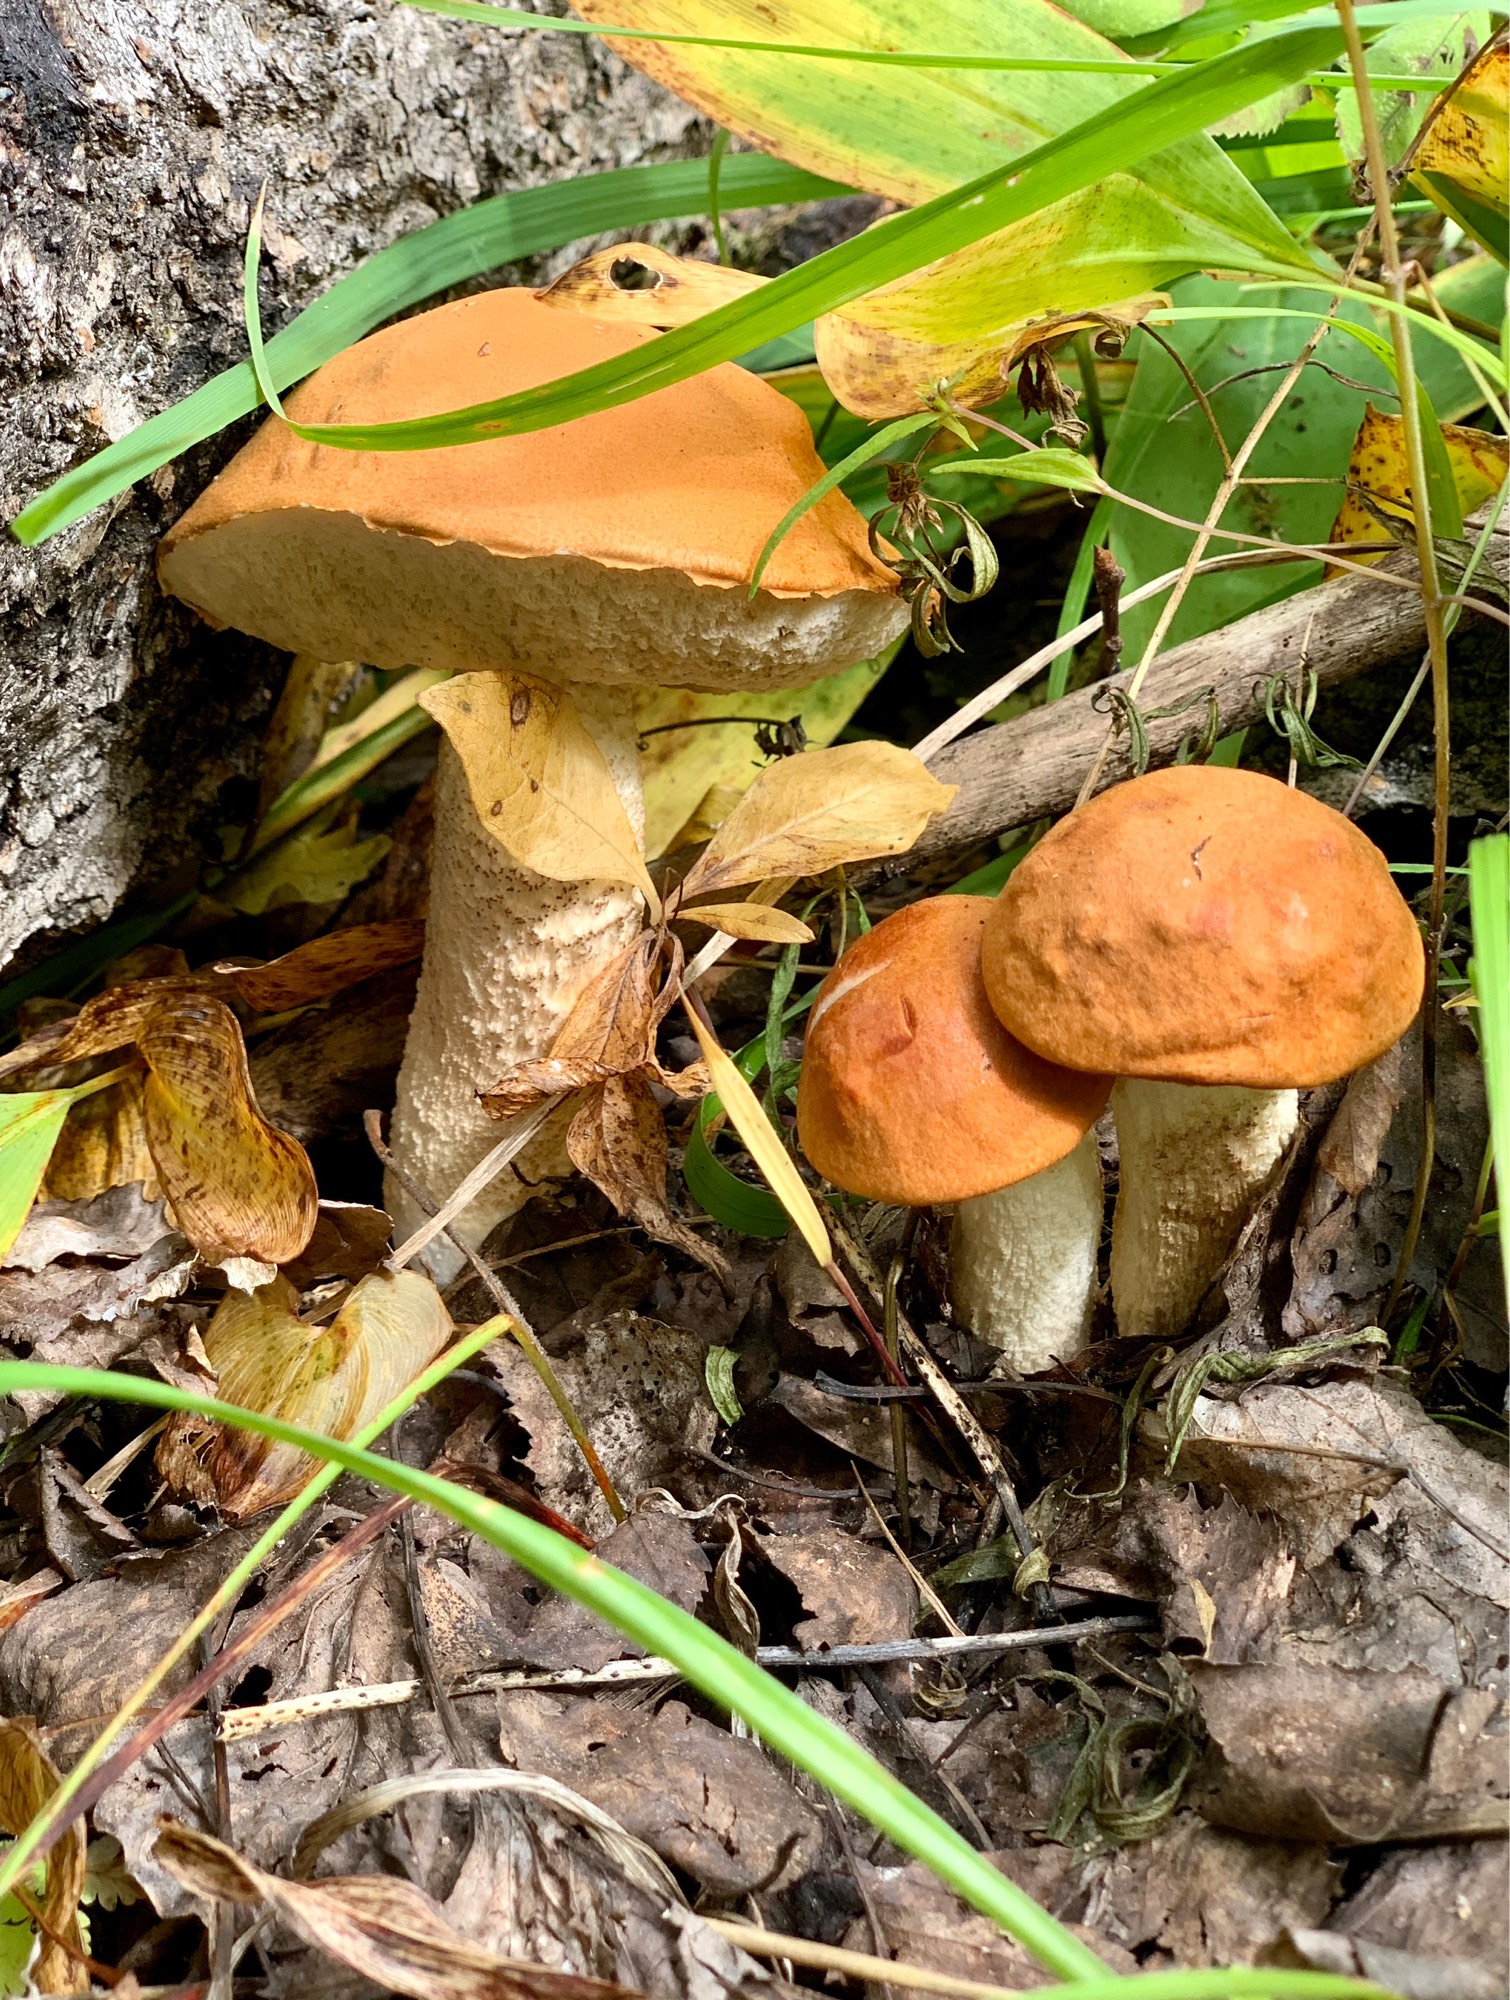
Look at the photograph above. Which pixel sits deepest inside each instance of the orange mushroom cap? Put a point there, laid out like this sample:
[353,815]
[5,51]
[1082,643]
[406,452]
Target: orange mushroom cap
[617,548]
[911,1090]
[1209,926]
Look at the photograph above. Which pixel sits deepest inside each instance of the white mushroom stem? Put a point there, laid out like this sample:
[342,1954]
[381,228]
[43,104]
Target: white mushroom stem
[1023,1261]
[1195,1160]
[507,952]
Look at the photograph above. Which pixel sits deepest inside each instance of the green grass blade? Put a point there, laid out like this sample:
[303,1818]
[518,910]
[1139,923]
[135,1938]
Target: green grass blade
[1489,970]
[869,448]
[501,230]
[710,1663]
[1115,139]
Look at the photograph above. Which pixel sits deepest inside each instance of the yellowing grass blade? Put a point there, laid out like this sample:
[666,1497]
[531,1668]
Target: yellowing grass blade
[761,1142]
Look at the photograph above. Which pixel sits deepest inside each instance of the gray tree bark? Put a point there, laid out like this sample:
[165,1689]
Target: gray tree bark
[134,135]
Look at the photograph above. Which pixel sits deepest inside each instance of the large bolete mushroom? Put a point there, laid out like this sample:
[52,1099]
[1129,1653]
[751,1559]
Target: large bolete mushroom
[913,1093]
[1215,940]
[608,554]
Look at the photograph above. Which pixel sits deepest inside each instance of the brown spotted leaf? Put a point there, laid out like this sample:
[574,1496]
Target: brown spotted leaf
[806,814]
[28,1779]
[325,965]
[540,784]
[1378,476]
[610,285]
[618,1139]
[103,1144]
[238,1186]
[330,1379]
[380,1926]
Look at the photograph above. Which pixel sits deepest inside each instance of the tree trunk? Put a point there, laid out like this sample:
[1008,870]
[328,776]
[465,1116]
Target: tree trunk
[136,134]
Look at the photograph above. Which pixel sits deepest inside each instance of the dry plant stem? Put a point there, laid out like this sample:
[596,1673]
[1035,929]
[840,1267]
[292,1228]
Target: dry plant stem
[1393,278]
[59,1810]
[856,1965]
[898,1413]
[489,1167]
[964,1419]
[539,1360]
[239,1723]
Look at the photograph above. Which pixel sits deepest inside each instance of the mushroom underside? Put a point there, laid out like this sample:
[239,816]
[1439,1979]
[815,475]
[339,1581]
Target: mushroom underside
[1195,1158]
[341,587]
[1023,1261]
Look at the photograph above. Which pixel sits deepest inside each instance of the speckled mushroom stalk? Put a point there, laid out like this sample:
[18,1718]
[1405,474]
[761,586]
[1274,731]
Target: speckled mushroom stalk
[912,1093]
[610,554]
[1218,942]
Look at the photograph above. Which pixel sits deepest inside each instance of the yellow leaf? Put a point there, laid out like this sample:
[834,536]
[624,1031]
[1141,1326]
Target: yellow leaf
[1377,469]
[886,355]
[756,921]
[330,1379]
[806,814]
[314,864]
[762,1143]
[1467,141]
[238,1187]
[681,767]
[28,1779]
[103,1145]
[540,784]
[684,287]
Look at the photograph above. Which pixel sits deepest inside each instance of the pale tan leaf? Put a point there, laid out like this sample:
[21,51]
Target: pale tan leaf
[618,1139]
[604,286]
[330,1379]
[540,784]
[28,1779]
[762,1143]
[237,1186]
[757,921]
[380,1926]
[887,355]
[805,814]
[103,1144]
[325,965]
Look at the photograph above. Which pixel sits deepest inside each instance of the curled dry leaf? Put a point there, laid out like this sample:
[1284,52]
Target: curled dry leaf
[607,285]
[887,354]
[618,1139]
[325,965]
[330,1379]
[756,921]
[1467,143]
[820,810]
[28,1779]
[609,1032]
[381,1927]
[238,1186]
[540,784]
[1377,471]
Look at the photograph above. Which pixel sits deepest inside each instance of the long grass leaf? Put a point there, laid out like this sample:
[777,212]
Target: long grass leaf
[869,448]
[500,230]
[710,1663]
[1111,141]
[1489,904]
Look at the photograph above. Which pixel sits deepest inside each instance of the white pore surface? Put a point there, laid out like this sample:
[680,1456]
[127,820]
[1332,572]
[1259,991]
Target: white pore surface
[507,952]
[1195,1159]
[331,585]
[1023,1261]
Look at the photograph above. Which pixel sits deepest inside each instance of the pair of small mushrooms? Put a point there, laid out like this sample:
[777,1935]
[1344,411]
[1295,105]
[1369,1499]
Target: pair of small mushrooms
[611,554]
[1194,946]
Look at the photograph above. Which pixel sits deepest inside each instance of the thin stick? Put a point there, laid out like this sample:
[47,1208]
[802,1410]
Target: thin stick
[1392,277]
[489,1167]
[242,1722]
[858,1965]
[539,1360]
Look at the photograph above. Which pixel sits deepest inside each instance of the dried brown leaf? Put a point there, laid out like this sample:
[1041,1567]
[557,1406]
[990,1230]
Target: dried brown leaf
[103,1144]
[115,1018]
[330,1379]
[684,287]
[756,921]
[618,1139]
[238,1186]
[382,1927]
[825,808]
[28,1779]
[325,965]
[540,784]
[609,1032]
